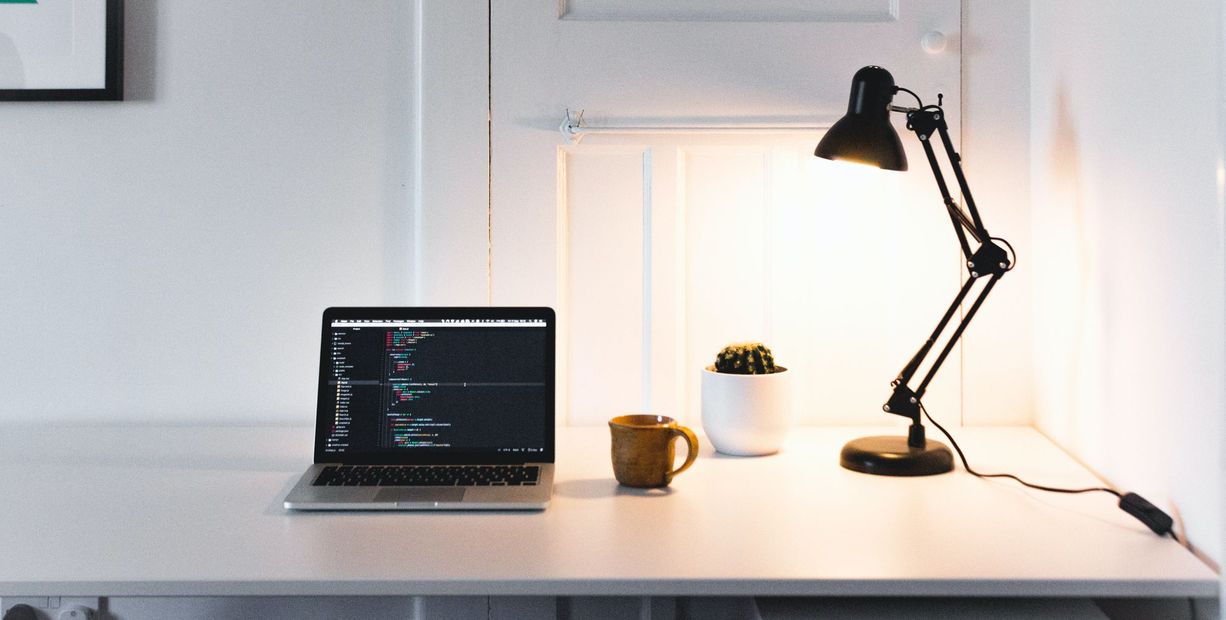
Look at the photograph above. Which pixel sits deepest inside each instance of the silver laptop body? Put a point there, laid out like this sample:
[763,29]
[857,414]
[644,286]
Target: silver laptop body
[433,409]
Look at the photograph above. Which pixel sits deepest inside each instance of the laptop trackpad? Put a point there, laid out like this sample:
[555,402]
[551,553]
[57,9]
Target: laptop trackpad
[402,494]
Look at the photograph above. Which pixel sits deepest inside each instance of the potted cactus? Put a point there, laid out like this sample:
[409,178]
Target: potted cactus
[746,400]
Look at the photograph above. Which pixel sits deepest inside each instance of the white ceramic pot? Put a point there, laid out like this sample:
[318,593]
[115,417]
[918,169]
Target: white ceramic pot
[746,415]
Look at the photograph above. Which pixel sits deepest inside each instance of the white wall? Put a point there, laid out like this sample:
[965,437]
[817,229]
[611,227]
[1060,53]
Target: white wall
[261,171]
[167,258]
[997,372]
[1128,258]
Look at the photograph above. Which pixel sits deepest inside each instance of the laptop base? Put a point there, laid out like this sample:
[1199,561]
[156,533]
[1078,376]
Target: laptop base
[306,496]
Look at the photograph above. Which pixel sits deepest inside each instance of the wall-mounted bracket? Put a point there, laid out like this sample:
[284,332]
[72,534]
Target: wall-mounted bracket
[571,124]
[574,128]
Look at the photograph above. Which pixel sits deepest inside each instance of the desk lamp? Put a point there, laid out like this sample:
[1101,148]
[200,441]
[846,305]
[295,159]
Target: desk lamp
[866,136]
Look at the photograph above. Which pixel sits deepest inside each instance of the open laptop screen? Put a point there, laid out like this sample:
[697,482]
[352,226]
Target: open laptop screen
[436,385]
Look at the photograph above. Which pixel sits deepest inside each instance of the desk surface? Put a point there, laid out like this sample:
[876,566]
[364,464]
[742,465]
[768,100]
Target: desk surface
[197,511]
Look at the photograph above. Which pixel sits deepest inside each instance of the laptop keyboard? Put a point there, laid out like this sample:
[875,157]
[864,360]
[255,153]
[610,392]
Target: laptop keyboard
[428,475]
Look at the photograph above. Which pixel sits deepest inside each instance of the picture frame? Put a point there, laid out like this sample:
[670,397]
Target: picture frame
[33,69]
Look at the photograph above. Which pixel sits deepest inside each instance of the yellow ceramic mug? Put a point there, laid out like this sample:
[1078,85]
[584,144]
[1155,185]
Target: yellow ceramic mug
[643,449]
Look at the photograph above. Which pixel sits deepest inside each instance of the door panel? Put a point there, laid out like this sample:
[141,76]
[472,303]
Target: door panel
[658,249]
[668,250]
[602,262]
[451,224]
[731,10]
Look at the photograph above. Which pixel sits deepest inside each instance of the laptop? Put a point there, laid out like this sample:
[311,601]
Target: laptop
[433,409]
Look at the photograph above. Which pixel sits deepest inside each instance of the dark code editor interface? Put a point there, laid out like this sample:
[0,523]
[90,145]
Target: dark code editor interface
[447,385]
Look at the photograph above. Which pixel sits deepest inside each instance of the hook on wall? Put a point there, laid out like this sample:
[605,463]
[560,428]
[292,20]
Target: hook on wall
[571,125]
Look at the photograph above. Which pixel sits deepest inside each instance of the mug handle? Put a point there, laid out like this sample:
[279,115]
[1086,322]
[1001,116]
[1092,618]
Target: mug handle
[691,441]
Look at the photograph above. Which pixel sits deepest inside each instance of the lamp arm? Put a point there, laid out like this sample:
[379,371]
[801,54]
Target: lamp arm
[953,339]
[928,122]
[988,259]
[962,224]
[981,233]
[908,371]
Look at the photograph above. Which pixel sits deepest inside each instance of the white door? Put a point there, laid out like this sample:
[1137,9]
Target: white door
[658,248]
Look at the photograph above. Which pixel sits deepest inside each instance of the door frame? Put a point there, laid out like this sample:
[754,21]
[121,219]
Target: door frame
[451,200]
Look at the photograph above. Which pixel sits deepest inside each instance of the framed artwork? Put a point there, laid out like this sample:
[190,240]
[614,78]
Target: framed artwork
[61,50]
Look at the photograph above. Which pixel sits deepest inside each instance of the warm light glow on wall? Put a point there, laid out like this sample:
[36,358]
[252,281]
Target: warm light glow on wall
[841,268]
[837,242]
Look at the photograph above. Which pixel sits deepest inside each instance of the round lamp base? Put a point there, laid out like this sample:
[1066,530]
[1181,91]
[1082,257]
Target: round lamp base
[887,455]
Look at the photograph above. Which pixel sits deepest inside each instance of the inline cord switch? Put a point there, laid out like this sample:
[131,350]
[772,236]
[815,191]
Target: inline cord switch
[1152,516]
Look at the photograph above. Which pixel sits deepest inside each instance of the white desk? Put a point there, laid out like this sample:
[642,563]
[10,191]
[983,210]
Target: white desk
[197,512]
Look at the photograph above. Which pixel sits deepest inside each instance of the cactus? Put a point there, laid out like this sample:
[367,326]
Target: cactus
[746,358]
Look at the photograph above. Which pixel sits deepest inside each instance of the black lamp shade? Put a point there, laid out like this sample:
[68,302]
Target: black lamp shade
[865,135]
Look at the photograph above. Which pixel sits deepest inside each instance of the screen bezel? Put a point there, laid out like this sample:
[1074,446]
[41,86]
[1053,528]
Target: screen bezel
[324,413]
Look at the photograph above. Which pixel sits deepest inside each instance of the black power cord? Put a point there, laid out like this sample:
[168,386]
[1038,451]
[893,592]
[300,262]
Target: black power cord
[1131,503]
[1013,258]
[1153,517]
